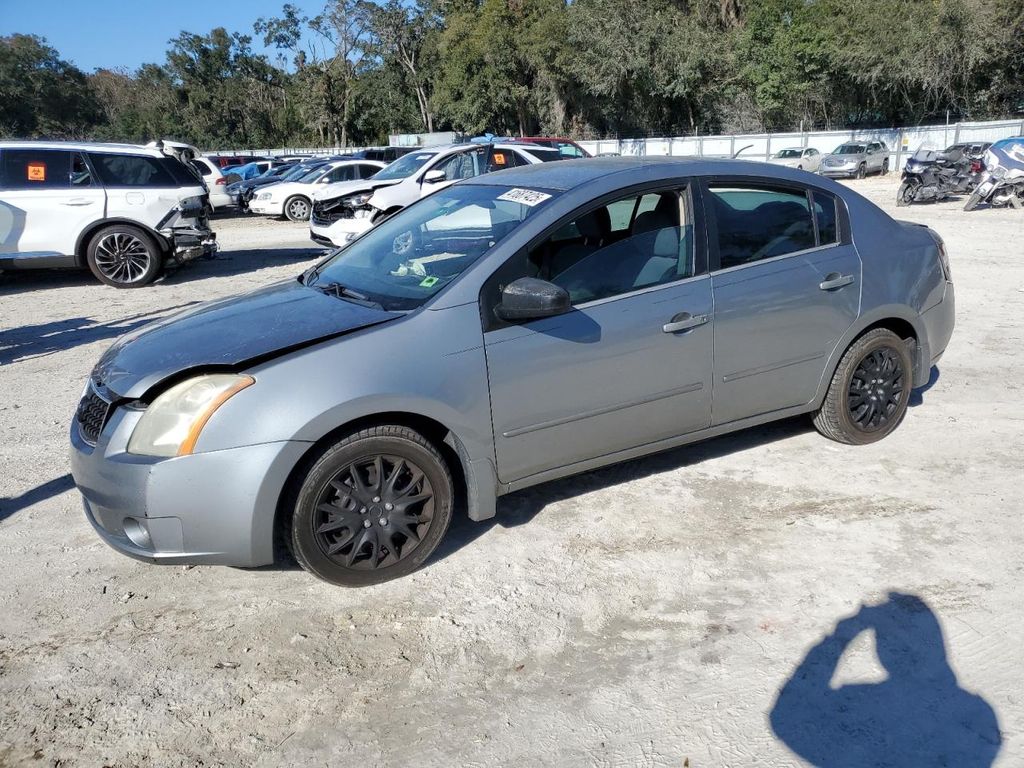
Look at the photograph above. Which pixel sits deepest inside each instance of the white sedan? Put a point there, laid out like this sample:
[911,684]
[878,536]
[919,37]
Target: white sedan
[803,158]
[294,198]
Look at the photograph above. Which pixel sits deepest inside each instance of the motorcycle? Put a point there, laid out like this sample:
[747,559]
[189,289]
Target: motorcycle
[930,175]
[1003,183]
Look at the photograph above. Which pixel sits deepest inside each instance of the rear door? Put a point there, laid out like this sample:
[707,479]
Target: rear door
[47,197]
[139,187]
[786,285]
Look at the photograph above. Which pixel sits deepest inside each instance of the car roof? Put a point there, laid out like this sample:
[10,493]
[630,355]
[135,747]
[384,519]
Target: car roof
[569,174]
[83,146]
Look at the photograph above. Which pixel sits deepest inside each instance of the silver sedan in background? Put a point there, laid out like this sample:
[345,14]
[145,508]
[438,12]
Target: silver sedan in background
[511,329]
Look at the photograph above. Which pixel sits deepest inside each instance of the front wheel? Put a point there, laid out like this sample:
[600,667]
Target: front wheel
[297,208]
[869,392]
[973,200]
[124,256]
[906,193]
[372,508]
[885,167]
[862,171]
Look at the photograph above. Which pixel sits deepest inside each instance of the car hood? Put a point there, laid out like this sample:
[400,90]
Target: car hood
[229,334]
[402,194]
[342,188]
[788,162]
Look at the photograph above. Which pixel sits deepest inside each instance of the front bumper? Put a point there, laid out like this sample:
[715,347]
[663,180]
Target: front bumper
[267,207]
[206,508]
[339,233]
[838,173]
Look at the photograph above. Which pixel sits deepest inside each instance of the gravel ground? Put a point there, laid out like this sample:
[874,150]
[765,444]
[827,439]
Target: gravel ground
[647,614]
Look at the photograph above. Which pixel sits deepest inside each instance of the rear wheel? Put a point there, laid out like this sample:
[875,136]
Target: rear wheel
[124,256]
[870,390]
[297,208]
[906,193]
[372,508]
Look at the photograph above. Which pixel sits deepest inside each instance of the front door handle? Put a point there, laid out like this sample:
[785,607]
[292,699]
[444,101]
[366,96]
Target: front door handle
[835,280]
[684,321]
[79,201]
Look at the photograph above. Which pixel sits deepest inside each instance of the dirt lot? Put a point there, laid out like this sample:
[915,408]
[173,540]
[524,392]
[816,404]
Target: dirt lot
[642,615]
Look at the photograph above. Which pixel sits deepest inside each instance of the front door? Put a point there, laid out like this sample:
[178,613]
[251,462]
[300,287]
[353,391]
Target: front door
[629,365]
[786,288]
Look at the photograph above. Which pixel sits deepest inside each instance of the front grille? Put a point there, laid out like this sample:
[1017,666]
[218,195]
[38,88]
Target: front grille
[92,415]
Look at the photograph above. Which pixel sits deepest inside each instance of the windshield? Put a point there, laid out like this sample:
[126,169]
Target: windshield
[849,149]
[297,172]
[404,166]
[789,153]
[408,258]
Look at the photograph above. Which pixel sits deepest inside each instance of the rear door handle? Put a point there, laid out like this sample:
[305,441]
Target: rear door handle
[835,280]
[684,321]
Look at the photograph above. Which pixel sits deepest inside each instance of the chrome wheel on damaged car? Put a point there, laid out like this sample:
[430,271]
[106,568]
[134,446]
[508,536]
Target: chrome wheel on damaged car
[124,257]
[372,508]
[870,390]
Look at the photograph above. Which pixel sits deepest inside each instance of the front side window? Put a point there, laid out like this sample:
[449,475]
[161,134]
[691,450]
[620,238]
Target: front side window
[411,256]
[789,153]
[367,171]
[756,223]
[461,165]
[607,252]
[35,169]
[131,171]
[341,173]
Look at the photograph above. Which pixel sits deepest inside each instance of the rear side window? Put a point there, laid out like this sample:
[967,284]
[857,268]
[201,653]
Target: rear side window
[756,223]
[201,168]
[825,216]
[131,171]
[35,169]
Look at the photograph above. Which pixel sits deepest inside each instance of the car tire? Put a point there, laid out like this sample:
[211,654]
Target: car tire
[870,390]
[297,208]
[862,171]
[345,525]
[124,256]
[885,167]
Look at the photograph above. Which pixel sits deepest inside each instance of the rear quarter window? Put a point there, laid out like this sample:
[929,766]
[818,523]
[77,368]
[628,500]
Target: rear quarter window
[132,171]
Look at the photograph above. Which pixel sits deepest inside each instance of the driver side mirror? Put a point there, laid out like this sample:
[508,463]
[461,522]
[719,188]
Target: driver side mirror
[433,177]
[529,298]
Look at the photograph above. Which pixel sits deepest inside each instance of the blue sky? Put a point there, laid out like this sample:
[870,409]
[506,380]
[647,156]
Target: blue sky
[126,33]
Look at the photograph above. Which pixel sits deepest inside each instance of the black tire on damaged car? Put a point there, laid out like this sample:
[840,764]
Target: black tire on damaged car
[372,507]
[870,390]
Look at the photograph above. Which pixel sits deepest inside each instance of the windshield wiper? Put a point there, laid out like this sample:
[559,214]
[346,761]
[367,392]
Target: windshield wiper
[344,292]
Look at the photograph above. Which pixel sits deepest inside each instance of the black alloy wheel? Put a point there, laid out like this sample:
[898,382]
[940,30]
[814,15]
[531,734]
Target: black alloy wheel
[876,389]
[870,390]
[373,507]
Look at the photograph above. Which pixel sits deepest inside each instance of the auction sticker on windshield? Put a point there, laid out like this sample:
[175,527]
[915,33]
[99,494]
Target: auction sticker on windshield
[530,197]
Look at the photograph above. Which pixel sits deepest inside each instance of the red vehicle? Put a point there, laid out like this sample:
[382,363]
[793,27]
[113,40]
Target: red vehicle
[567,147]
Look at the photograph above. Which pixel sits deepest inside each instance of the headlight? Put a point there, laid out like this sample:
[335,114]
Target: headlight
[914,168]
[172,423]
[356,201]
[265,196]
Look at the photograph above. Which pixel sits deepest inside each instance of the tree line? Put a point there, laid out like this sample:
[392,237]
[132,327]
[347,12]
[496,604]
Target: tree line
[360,70]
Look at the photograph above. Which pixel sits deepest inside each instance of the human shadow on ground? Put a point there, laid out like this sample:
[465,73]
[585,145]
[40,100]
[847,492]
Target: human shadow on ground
[917,716]
[42,339]
[13,504]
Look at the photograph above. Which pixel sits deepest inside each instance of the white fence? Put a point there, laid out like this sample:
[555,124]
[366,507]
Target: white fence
[900,141]
[760,146]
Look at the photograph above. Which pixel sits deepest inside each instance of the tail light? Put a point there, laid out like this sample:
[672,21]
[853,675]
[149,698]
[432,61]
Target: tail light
[221,181]
[975,166]
[943,254]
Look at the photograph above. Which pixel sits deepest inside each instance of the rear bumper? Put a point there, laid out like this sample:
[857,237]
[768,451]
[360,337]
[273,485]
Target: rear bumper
[939,322]
[191,243]
[207,508]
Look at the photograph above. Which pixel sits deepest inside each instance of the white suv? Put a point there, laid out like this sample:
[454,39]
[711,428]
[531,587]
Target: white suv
[121,210]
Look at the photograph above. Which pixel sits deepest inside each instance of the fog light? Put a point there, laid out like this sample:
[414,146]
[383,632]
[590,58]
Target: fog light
[138,533]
